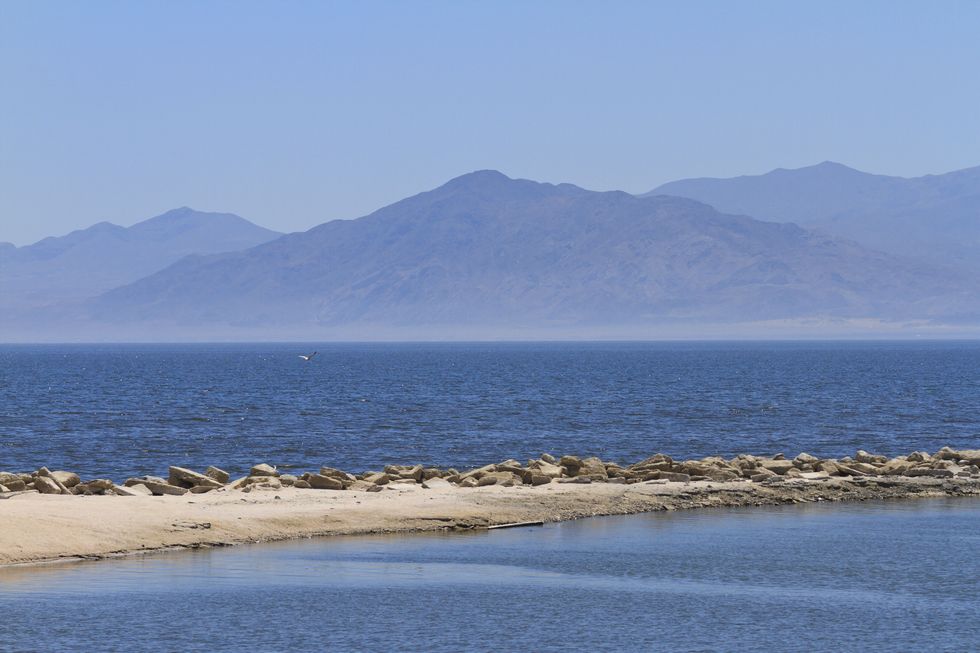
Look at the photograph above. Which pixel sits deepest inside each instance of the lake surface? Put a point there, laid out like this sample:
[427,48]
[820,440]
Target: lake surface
[121,410]
[871,577]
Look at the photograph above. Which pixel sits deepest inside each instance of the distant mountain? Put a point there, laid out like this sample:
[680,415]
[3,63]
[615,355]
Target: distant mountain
[488,250]
[85,263]
[935,217]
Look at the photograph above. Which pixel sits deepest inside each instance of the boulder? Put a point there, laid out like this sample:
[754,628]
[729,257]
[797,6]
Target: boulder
[675,477]
[68,479]
[46,485]
[378,478]
[159,489]
[469,481]
[337,474]
[16,485]
[478,472]
[971,456]
[263,469]
[288,480]
[919,457]
[138,490]
[436,483]
[777,466]
[302,484]
[6,478]
[321,482]
[544,468]
[805,459]
[926,471]
[869,459]
[594,468]
[548,458]
[571,464]
[46,473]
[189,478]
[541,479]
[217,474]
[100,484]
[506,479]
[139,480]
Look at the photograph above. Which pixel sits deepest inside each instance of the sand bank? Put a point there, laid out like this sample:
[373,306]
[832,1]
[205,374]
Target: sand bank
[49,527]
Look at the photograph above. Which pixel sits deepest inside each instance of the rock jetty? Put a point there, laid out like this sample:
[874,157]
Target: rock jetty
[946,463]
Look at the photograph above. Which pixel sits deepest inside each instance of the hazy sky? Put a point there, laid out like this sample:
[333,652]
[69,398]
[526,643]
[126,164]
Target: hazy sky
[294,113]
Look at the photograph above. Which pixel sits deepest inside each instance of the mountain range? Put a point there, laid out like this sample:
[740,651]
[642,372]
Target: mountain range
[88,262]
[935,217]
[485,255]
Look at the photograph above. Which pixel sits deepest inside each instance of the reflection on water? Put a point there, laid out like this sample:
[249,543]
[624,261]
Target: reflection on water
[884,576]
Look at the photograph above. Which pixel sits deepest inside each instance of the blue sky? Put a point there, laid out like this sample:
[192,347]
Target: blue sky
[295,113]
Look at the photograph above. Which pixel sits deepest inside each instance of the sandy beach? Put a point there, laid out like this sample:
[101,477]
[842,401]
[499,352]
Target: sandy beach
[43,527]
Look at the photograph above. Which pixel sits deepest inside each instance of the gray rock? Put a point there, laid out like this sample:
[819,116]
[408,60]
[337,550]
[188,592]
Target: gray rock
[189,478]
[68,479]
[263,469]
[777,466]
[321,482]
[46,485]
[302,484]
[136,490]
[217,474]
[159,489]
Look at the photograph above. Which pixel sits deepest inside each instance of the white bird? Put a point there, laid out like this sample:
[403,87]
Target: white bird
[308,357]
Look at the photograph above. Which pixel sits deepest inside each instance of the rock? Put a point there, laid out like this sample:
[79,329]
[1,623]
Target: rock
[864,457]
[139,480]
[68,479]
[814,476]
[594,468]
[478,472]
[777,466]
[469,481]
[288,480]
[46,473]
[188,478]
[321,482]
[506,479]
[375,488]
[571,464]
[575,479]
[436,483]
[919,457]
[6,478]
[17,485]
[544,468]
[46,485]
[548,458]
[541,479]
[379,478]
[829,466]
[302,484]
[263,469]
[415,473]
[676,477]
[361,486]
[238,484]
[431,472]
[926,471]
[159,489]
[805,459]
[100,484]
[137,490]
[971,456]
[342,476]
[217,474]
[201,489]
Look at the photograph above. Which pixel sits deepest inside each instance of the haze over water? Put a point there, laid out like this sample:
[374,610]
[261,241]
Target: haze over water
[122,410]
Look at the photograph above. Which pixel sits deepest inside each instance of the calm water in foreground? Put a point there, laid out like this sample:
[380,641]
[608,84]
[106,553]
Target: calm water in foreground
[123,410]
[875,577]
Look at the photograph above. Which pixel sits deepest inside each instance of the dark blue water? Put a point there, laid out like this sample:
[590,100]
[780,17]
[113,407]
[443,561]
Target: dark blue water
[122,410]
[873,577]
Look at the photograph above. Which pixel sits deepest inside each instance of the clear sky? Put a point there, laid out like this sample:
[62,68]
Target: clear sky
[294,113]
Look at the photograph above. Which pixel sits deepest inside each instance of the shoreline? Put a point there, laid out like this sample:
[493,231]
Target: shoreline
[46,529]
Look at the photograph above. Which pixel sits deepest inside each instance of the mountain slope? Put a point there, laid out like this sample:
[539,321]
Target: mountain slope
[489,250]
[90,261]
[935,217]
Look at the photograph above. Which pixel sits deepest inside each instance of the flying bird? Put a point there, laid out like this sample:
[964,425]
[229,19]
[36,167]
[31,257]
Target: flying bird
[308,357]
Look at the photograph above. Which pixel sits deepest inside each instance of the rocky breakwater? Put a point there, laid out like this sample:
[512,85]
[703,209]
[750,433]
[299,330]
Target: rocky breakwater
[946,463]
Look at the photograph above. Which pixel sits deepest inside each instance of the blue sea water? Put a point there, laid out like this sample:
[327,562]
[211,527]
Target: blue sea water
[898,576]
[120,410]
